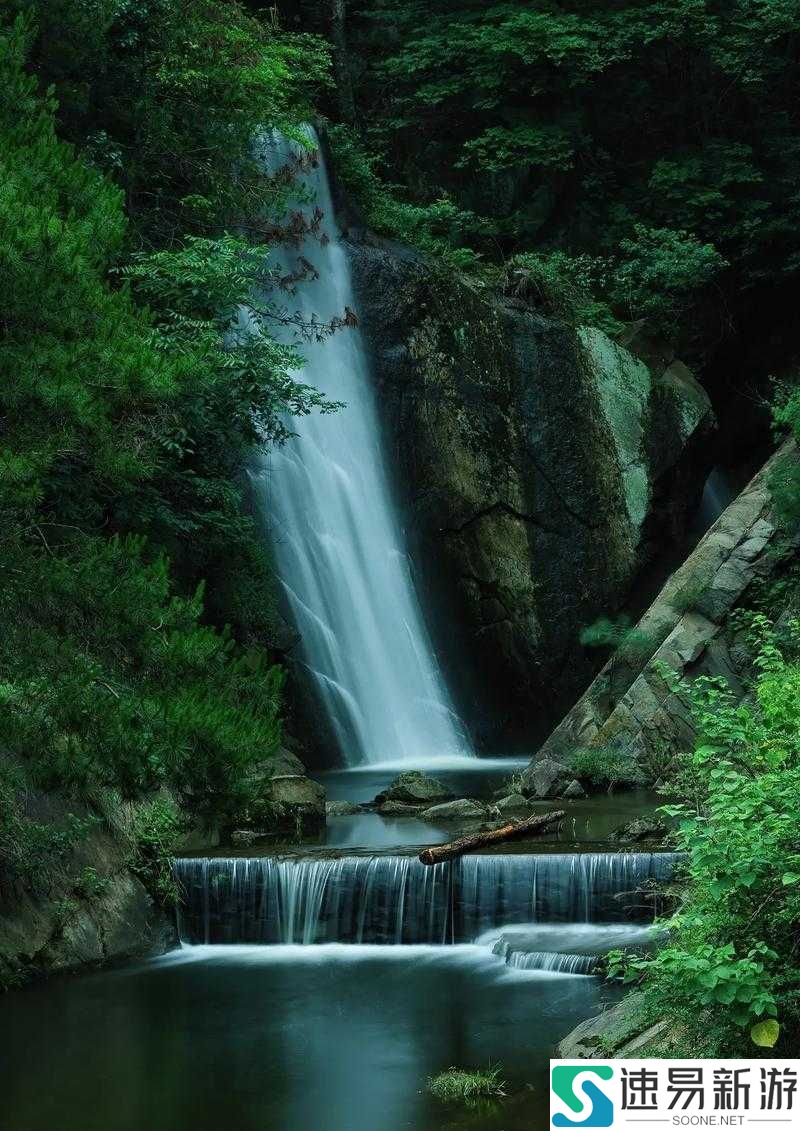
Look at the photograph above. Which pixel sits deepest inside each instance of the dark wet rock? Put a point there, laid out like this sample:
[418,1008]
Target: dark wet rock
[546,778]
[513,803]
[342,808]
[398,809]
[286,801]
[246,838]
[642,828]
[414,788]
[574,790]
[461,810]
[506,514]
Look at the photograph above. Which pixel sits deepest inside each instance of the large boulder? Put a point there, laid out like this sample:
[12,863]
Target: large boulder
[546,778]
[513,805]
[631,710]
[621,1031]
[414,788]
[533,488]
[286,801]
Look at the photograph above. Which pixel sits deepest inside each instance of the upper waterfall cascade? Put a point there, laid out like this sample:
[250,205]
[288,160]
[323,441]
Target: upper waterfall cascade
[333,523]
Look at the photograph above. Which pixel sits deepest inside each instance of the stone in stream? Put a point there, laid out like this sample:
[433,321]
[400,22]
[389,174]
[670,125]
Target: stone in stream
[286,799]
[574,789]
[414,788]
[460,810]
[546,778]
[642,828]
[342,808]
[513,803]
[398,809]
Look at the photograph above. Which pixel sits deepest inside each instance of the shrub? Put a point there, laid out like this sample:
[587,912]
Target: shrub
[732,962]
[603,766]
[156,827]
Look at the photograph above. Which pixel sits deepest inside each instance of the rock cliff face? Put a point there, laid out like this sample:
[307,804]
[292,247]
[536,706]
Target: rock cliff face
[538,470]
[88,908]
[629,708]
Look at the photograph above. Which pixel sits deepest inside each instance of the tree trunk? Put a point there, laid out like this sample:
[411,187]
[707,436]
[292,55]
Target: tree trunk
[341,61]
[529,827]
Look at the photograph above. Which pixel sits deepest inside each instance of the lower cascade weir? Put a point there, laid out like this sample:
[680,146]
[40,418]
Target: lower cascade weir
[398,900]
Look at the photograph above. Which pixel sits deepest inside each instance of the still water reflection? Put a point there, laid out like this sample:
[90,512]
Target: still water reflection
[326,1038]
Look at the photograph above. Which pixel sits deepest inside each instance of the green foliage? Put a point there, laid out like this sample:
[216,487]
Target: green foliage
[156,829]
[29,849]
[460,1085]
[662,273]
[439,228]
[563,285]
[161,699]
[129,401]
[731,961]
[659,135]
[169,96]
[603,766]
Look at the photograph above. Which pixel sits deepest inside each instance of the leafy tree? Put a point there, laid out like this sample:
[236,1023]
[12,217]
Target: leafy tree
[127,409]
[660,135]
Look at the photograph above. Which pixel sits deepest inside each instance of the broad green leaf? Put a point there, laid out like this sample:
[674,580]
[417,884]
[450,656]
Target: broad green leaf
[765,1034]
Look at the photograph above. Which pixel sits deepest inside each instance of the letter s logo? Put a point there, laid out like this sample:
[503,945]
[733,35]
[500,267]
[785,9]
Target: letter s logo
[601,1112]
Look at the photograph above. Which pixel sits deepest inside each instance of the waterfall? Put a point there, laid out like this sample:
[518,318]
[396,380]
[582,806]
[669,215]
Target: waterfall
[396,899]
[552,961]
[337,542]
[574,949]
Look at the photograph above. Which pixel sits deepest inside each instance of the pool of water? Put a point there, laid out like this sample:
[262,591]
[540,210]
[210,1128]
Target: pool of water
[465,777]
[588,821]
[285,1038]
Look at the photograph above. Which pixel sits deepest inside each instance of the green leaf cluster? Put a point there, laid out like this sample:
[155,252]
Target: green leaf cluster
[130,398]
[659,134]
[731,959]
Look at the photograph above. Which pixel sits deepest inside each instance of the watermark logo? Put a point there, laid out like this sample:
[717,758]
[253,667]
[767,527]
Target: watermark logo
[684,1094]
[577,1088]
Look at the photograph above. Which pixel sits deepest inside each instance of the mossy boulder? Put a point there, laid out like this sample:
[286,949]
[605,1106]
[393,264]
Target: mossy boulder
[414,788]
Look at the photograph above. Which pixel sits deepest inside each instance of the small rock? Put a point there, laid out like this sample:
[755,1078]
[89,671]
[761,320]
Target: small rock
[398,809]
[463,809]
[342,808]
[574,789]
[414,788]
[513,803]
[245,838]
[643,828]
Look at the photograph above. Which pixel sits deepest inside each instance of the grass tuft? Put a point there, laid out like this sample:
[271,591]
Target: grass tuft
[459,1084]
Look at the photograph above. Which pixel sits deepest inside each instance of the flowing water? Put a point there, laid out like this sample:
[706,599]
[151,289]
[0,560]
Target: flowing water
[274,1038]
[396,899]
[412,969]
[327,501]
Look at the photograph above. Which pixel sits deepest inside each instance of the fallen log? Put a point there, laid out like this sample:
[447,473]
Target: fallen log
[529,827]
